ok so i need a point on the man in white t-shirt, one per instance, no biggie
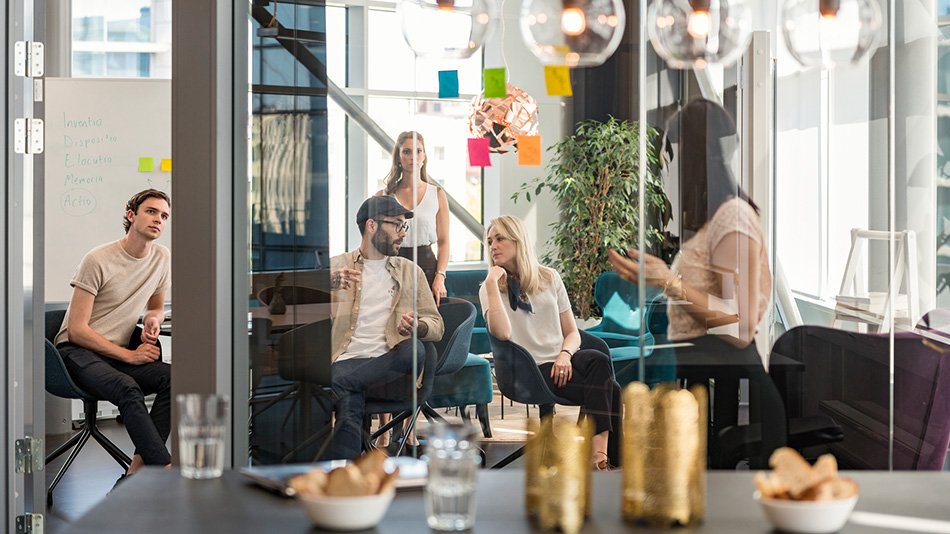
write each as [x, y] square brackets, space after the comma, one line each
[104, 351]
[373, 319]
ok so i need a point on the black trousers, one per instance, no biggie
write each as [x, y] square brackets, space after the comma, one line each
[426, 260]
[769, 409]
[126, 386]
[592, 386]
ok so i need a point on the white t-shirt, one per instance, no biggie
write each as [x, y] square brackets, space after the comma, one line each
[538, 331]
[369, 337]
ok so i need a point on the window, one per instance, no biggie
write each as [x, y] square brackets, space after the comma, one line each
[376, 68]
[121, 38]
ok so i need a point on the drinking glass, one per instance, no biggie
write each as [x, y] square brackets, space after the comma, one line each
[453, 457]
[202, 425]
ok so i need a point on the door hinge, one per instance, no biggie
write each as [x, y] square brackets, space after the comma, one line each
[28, 57]
[29, 455]
[29, 523]
[28, 136]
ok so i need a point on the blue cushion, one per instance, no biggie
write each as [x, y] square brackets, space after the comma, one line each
[472, 384]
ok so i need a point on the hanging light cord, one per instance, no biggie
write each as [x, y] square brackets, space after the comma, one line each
[504, 58]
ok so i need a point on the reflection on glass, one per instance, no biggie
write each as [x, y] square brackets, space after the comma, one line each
[289, 397]
[719, 285]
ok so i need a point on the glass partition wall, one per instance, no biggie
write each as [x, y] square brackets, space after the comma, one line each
[780, 224]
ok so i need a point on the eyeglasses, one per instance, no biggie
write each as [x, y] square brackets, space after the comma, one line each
[399, 226]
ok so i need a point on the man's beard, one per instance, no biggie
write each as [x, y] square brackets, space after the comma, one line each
[386, 244]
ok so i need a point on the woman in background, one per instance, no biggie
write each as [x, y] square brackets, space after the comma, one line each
[528, 304]
[408, 182]
[719, 285]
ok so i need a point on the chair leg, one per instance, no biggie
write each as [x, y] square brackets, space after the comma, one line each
[111, 448]
[83, 438]
[412, 424]
[481, 412]
[432, 415]
[65, 446]
[510, 458]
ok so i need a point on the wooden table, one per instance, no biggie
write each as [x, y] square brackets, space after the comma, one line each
[159, 501]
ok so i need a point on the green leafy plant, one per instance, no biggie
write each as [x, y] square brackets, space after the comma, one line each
[594, 176]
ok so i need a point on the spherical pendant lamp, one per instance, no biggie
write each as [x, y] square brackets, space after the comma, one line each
[576, 33]
[436, 29]
[829, 33]
[696, 33]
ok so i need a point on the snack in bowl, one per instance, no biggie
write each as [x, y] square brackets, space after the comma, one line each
[353, 497]
[798, 497]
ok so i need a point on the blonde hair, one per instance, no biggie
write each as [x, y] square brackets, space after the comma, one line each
[532, 276]
[394, 178]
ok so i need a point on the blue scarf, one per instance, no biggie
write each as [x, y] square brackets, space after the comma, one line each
[515, 296]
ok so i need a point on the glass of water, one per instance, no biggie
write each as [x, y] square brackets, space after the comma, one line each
[453, 457]
[202, 423]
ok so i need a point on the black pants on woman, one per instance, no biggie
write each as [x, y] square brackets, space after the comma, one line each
[592, 386]
[731, 364]
[426, 260]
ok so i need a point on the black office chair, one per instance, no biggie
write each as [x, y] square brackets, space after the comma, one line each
[737, 443]
[303, 358]
[60, 384]
[520, 379]
[404, 408]
[462, 379]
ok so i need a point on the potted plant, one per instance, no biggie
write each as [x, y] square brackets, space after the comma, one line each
[594, 176]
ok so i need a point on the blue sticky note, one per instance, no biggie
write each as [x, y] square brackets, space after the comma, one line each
[448, 84]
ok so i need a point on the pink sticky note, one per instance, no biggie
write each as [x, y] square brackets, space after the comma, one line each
[478, 152]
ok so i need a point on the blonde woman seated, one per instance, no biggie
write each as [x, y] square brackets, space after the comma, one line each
[527, 304]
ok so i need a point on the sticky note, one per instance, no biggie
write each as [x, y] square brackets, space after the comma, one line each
[529, 150]
[146, 165]
[166, 165]
[478, 152]
[448, 84]
[495, 83]
[557, 79]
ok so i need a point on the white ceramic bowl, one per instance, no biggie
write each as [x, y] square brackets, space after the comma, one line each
[807, 516]
[347, 513]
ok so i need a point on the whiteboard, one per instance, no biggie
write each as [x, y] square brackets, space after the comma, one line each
[96, 132]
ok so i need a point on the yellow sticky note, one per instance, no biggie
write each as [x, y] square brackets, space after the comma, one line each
[529, 150]
[166, 165]
[557, 79]
[146, 165]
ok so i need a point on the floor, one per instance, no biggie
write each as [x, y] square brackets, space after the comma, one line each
[94, 473]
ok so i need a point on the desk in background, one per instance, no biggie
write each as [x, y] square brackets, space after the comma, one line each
[296, 315]
[164, 502]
